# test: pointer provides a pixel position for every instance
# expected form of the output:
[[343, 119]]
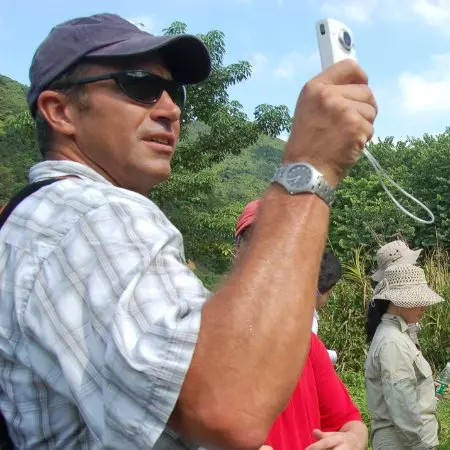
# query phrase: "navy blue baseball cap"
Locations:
[[109, 35]]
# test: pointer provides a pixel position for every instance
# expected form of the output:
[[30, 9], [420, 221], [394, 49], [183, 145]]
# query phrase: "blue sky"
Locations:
[[404, 46]]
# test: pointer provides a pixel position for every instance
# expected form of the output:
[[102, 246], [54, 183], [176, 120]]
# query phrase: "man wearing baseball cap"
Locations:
[[107, 338], [320, 402]]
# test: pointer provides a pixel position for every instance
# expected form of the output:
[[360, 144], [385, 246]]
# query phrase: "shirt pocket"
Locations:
[[425, 385], [422, 368]]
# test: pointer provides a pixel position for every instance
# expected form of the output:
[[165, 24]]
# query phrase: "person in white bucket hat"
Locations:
[[399, 380], [392, 254]]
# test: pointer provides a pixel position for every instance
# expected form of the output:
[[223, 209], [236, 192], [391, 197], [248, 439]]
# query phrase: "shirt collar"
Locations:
[[396, 321], [57, 168]]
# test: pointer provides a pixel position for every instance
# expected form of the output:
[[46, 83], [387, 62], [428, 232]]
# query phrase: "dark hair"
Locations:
[[44, 132], [377, 308], [330, 272]]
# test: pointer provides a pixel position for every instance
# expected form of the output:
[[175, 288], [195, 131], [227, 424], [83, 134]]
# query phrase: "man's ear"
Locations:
[[55, 109]]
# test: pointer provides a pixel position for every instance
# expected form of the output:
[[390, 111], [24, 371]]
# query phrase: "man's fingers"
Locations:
[[359, 93], [344, 72], [326, 440], [367, 111]]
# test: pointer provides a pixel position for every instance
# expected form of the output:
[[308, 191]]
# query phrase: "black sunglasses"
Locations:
[[139, 85]]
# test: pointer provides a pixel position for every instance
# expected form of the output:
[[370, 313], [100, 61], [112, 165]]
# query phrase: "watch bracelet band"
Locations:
[[322, 188], [325, 191]]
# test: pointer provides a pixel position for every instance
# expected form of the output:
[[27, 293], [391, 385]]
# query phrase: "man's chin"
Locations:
[[158, 177]]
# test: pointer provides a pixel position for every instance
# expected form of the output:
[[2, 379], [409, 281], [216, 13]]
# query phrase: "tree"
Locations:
[[12, 97], [213, 127], [364, 214], [18, 149]]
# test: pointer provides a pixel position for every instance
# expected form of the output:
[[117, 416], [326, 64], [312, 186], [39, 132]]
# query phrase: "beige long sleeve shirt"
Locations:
[[400, 387]]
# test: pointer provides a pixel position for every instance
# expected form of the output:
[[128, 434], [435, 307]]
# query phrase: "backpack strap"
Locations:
[[6, 211]]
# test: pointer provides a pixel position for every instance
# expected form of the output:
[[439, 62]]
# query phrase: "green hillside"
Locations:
[[208, 227], [12, 97], [206, 203]]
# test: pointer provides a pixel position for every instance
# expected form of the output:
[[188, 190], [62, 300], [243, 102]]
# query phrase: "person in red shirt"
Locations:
[[320, 414]]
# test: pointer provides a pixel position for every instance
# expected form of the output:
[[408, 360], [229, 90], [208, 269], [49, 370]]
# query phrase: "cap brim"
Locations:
[[186, 56]]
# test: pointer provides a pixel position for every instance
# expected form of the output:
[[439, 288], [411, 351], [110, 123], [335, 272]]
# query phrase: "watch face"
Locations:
[[298, 176]]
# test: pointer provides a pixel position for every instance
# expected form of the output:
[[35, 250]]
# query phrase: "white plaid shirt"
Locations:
[[99, 316]]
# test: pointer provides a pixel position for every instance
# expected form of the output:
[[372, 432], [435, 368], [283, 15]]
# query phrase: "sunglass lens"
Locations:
[[148, 88], [142, 88]]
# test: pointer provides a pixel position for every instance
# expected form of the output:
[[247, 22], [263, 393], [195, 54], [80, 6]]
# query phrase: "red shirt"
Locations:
[[320, 401]]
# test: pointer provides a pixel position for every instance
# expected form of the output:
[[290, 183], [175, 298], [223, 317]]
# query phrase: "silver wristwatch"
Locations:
[[299, 178]]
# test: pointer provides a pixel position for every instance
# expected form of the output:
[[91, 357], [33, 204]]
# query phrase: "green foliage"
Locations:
[[208, 220], [210, 279], [12, 97], [363, 214], [272, 119], [342, 322], [6, 185], [18, 151], [188, 198]]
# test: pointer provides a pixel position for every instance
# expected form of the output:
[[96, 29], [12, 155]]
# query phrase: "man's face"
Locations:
[[117, 136]]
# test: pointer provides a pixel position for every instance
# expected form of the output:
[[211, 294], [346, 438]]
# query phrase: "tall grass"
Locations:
[[341, 324], [341, 327]]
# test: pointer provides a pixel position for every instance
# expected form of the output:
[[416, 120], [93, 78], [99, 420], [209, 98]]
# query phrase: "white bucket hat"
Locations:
[[393, 253], [405, 285]]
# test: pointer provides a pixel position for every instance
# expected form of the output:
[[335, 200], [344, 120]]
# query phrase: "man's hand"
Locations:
[[333, 120], [339, 440]]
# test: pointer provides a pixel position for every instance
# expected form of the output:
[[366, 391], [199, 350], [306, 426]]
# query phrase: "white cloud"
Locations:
[[353, 10], [258, 61], [435, 13], [293, 63], [427, 92], [145, 23]]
